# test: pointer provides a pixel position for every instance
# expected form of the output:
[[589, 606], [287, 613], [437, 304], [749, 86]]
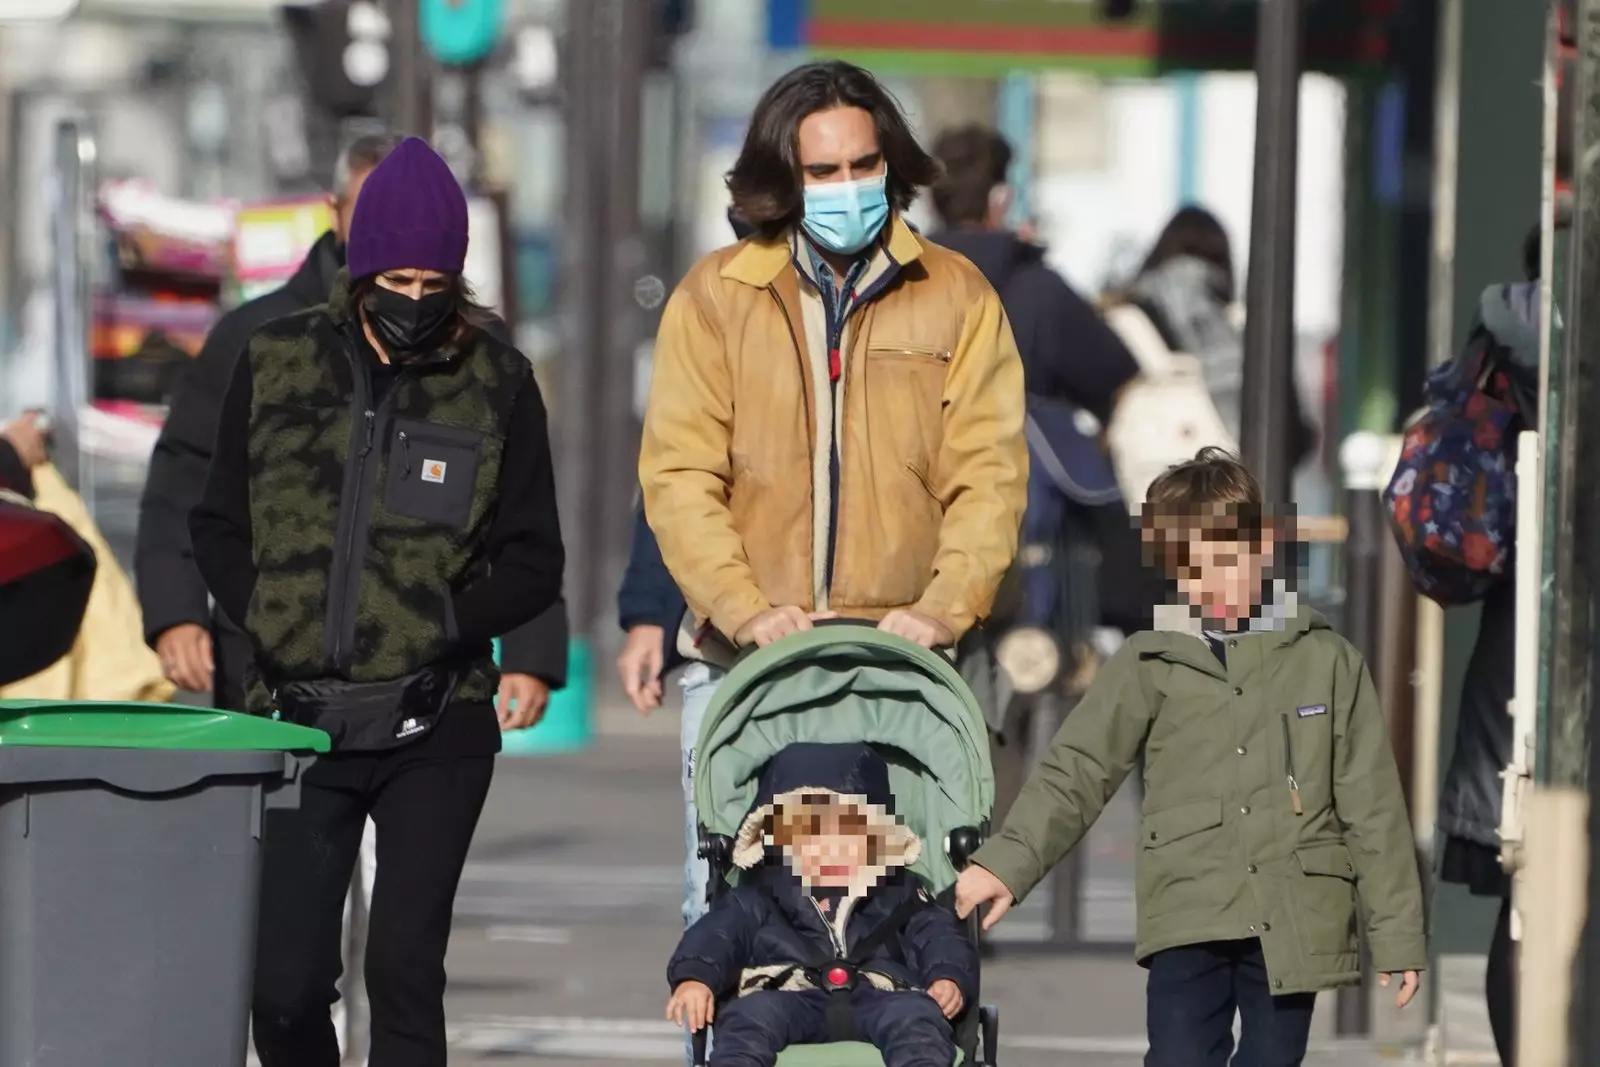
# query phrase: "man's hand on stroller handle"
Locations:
[[919, 628], [692, 1005], [976, 887], [776, 623]]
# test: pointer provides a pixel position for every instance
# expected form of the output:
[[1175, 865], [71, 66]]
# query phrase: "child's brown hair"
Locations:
[[1213, 496]]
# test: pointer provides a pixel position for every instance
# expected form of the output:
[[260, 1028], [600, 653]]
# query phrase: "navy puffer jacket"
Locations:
[[770, 920]]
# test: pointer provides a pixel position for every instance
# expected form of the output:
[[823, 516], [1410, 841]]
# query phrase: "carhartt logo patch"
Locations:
[[433, 470], [1310, 710]]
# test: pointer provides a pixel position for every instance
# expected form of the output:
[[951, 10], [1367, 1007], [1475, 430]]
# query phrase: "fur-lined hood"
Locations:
[[845, 774]]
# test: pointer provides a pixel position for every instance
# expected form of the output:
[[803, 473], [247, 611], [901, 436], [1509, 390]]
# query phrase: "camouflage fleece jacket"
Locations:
[[363, 533]]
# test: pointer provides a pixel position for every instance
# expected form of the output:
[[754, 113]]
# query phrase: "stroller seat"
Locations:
[[837, 684]]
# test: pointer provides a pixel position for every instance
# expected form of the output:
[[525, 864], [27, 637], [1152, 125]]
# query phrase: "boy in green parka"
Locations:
[[1272, 800]]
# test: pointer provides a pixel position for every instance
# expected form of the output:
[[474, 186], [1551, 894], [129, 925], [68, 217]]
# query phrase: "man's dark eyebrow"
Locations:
[[821, 168], [868, 160]]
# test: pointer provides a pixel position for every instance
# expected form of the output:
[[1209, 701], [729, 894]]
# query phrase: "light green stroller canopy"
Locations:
[[838, 684]]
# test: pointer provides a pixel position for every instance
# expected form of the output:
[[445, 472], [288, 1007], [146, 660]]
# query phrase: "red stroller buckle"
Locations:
[[838, 977]]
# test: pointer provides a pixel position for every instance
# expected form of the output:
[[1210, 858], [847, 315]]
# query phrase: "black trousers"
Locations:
[[1191, 997], [906, 1027], [425, 800], [1501, 987]]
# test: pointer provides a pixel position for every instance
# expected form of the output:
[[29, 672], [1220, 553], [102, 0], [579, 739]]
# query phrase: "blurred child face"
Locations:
[[830, 848], [1222, 575]]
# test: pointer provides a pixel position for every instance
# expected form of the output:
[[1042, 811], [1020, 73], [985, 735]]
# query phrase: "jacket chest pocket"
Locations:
[[905, 399], [433, 471], [1307, 738]]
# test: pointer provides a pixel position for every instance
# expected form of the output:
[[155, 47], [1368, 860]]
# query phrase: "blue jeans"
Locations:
[[1192, 994], [699, 684]]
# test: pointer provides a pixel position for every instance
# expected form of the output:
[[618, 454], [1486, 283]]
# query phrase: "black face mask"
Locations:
[[407, 327]]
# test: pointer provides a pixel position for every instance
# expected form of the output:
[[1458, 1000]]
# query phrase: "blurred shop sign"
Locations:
[[181, 10], [35, 10], [271, 240], [1097, 36]]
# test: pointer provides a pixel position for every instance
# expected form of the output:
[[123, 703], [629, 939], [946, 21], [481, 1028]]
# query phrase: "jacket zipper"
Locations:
[[405, 455], [369, 425], [1288, 758], [853, 300], [833, 935]]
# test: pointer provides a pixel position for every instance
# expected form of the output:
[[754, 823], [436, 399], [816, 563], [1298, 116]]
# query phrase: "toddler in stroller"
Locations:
[[814, 751], [830, 938]]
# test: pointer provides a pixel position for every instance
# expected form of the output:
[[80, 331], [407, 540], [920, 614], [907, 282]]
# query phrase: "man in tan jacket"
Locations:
[[835, 421]]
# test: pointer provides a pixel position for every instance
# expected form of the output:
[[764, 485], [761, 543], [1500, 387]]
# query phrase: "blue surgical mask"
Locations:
[[845, 217]]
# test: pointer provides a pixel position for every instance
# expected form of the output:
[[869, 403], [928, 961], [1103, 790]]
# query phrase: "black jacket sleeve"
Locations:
[[524, 552], [716, 949], [1079, 358], [171, 590], [539, 647], [219, 525], [14, 474], [940, 948]]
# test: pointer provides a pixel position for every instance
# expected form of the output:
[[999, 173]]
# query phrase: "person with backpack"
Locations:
[[1474, 408], [1181, 319]]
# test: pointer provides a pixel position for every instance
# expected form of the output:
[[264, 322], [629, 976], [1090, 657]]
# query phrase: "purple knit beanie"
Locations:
[[411, 213]]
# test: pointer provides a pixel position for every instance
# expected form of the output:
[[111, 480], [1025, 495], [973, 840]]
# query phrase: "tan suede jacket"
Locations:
[[925, 419]]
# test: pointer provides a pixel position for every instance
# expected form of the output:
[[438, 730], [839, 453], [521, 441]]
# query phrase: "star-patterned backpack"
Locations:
[[1452, 500]]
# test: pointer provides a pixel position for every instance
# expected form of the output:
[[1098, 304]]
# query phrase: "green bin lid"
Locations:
[[88, 724]]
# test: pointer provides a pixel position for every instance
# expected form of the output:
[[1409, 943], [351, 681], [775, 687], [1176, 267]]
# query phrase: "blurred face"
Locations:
[[1223, 575], [344, 204], [415, 284], [839, 145], [829, 847]]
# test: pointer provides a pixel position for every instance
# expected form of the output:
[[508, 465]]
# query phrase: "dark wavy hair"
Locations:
[[765, 181], [1196, 232]]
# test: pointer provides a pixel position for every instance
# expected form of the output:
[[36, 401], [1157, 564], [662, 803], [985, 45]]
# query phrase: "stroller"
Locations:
[[844, 682]]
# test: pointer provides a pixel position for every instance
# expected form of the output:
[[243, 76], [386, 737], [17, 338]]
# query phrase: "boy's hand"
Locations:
[[977, 887], [1408, 987], [692, 1005], [947, 996]]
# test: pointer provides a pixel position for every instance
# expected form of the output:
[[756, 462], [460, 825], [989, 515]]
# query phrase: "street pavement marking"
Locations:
[[530, 935], [582, 1037]]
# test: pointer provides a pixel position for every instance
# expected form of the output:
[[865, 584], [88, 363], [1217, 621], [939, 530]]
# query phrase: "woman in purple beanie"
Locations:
[[380, 506]]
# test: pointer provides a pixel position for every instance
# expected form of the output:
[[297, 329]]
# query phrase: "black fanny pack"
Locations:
[[370, 716]]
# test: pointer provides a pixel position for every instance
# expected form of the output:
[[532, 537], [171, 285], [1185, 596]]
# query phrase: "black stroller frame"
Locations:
[[977, 1028]]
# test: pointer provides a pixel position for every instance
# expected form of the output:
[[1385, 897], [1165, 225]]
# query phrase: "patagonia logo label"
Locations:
[[433, 470], [1310, 710]]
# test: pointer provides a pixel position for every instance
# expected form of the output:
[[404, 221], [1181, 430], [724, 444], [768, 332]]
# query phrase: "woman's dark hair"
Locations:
[[1196, 232], [468, 309], [765, 181]]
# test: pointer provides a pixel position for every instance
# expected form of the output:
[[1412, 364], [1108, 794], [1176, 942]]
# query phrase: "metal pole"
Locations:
[[1269, 332], [628, 38], [410, 90], [582, 307], [74, 233]]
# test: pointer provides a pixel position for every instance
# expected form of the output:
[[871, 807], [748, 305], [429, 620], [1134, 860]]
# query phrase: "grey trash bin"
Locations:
[[130, 860]]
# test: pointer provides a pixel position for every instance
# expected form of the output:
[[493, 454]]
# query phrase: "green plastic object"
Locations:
[[168, 727], [839, 1054], [568, 723]]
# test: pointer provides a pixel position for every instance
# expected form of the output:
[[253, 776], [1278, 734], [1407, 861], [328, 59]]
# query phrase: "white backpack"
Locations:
[[1165, 415]]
